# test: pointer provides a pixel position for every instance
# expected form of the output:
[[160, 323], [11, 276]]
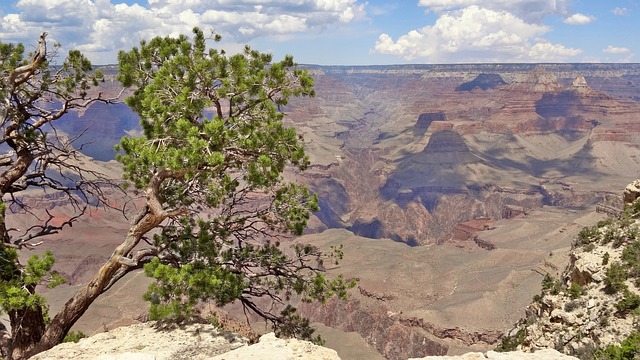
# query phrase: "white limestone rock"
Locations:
[[271, 348], [192, 342]]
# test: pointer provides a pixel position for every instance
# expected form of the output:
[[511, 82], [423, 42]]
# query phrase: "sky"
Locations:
[[345, 32]]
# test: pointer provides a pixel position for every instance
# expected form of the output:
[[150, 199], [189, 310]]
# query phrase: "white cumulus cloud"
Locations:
[[105, 26], [620, 11], [548, 52], [528, 10], [579, 19], [615, 50], [475, 34]]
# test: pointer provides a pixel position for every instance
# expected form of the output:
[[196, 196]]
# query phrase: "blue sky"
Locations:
[[346, 32]]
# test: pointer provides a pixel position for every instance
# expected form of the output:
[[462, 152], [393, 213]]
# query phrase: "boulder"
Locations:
[[587, 267], [271, 347], [631, 192]]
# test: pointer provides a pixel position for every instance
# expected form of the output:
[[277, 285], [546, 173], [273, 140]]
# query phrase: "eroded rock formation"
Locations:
[[589, 307]]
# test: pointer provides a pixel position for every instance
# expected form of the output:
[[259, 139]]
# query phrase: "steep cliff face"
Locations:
[[408, 137]]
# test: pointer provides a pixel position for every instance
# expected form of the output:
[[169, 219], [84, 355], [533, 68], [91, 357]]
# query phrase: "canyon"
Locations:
[[453, 189]]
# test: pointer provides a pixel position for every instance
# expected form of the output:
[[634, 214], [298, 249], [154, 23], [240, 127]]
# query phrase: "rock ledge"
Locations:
[[196, 341]]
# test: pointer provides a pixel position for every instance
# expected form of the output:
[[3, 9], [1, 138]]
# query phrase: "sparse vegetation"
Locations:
[[621, 234], [551, 284], [74, 336], [629, 302], [605, 222], [627, 350], [575, 290], [605, 259], [587, 235], [632, 210], [631, 260], [572, 305], [547, 282], [511, 343], [615, 278]]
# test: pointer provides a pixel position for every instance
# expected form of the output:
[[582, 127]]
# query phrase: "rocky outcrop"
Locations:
[[425, 120], [466, 337], [270, 347], [386, 332], [483, 81], [537, 80], [631, 192], [446, 141], [590, 306], [196, 341], [511, 211], [580, 84]]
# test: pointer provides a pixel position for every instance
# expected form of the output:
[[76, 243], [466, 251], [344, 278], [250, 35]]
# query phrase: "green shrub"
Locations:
[[605, 258], [632, 210], [508, 343], [572, 305], [587, 235], [615, 278], [628, 349], [575, 291], [614, 234], [605, 222], [551, 285], [74, 336], [557, 287], [629, 302], [547, 282], [625, 221], [620, 238], [631, 259]]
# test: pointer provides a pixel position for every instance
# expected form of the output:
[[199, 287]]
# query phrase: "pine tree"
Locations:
[[218, 216], [33, 96]]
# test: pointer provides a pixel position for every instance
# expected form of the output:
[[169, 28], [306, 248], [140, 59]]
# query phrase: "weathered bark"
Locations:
[[19, 116], [27, 327], [119, 264], [5, 341], [81, 300]]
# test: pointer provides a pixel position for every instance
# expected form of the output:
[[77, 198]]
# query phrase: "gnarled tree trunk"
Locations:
[[27, 329], [118, 265]]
